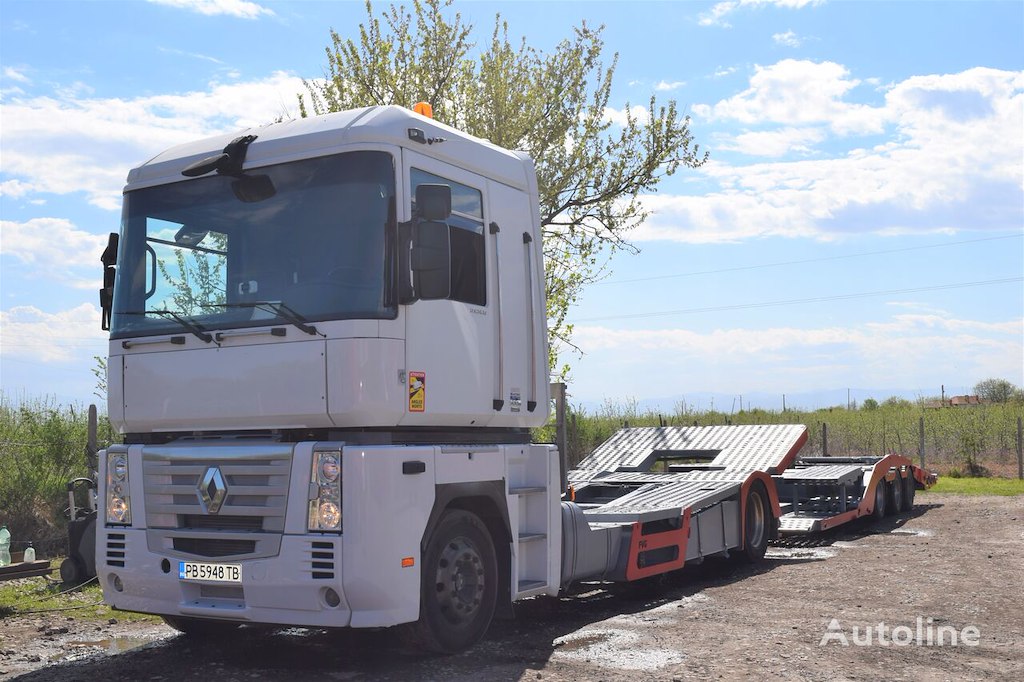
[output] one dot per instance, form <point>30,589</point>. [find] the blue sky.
<point>860,224</point>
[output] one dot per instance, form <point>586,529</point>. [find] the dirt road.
<point>952,568</point>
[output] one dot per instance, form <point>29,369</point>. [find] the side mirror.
<point>430,259</point>
<point>434,202</point>
<point>109,260</point>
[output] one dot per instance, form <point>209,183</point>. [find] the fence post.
<point>1020,448</point>
<point>824,439</point>
<point>920,440</point>
<point>92,444</point>
<point>561,432</point>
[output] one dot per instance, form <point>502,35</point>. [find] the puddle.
<point>581,642</point>
<point>806,553</point>
<point>113,645</point>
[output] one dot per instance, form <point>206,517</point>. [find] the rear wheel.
<point>909,489</point>
<point>459,584</point>
<point>881,500</point>
<point>756,524</point>
<point>199,627</point>
<point>896,491</point>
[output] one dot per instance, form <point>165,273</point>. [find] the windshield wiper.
<point>282,311</point>
<point>194,327</point>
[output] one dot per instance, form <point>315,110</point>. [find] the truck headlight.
<point>118,502</point>
<point>325,492</point>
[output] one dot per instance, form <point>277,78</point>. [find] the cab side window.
<point>466,236</point>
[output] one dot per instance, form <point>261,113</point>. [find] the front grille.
<point>219,522</point>
<point>224,499</point>
<point>322,560</point>
<point>115,549</point>
<point>213,547</point>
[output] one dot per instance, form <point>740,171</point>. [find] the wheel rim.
<point>897,493</point>
<point>880,497</point>
<point>460,581</point>
<point>755,521</point>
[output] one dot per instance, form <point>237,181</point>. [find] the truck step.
<point>527,490</point>
<point>527,585</point>
<point>531,537</point>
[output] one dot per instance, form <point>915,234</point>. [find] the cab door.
<point>450,343</point>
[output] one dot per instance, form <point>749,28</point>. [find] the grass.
<point>41,595</point>
<point>979,486</point>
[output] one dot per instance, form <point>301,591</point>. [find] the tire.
<point>756,524</point>
<point>459,585</point>
<point>909,489</point>
<point>896,490</point>
<point>199,627</point>
<point>71,571</point>
<point>881,500</point>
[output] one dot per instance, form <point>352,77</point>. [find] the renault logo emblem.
<point>212,490</point>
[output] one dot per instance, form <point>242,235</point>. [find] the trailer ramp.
<point>649,499</point>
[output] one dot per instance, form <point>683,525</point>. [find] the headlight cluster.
<point>118,500</point>
<point>325,492</point>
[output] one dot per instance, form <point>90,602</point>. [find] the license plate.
<point>203,572</point>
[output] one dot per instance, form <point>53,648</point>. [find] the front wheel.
<point>459,584</point>
<point>756,524</point>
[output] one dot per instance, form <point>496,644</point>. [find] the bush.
<point>42,447</point>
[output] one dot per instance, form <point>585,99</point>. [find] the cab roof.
<point>332,133</point>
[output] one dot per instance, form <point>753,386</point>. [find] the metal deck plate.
<point>836,474</point>
<point>799,524</point>
<point>666,500</point>
<point>766,447</point>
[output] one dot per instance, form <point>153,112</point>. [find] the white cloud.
<point>67,143</point>
<point>30,333</point>
<point>955,143</point>
<point>242,9</point>
<point>775,142</point>
<point>666,86</point>
<point>15,75</point>
<point>620,117</point>
<point>50,243</point>
<point>724,71</point>
<point>716,16</point>
<point>798,92</point>
<point>787,39</point>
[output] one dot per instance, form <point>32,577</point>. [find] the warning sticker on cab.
<point>417,391</point>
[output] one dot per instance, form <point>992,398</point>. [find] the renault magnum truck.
<point>327,350</point>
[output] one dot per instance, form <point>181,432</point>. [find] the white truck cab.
<point>327,347</point>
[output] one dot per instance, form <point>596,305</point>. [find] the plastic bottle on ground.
<point>5,546</point>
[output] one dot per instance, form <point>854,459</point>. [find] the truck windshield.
<point>200,253</point>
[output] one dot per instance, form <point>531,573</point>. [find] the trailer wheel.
<point>909,489</point>
<point>200,627</point>
<point>459,584</point>
<point>881,500</point>
<point>757,520</point>
<point>896,491</point>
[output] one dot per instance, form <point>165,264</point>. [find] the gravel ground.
<point>955,563</point>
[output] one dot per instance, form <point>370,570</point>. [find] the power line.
<point>795,301</point>
<point>808,260</point>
